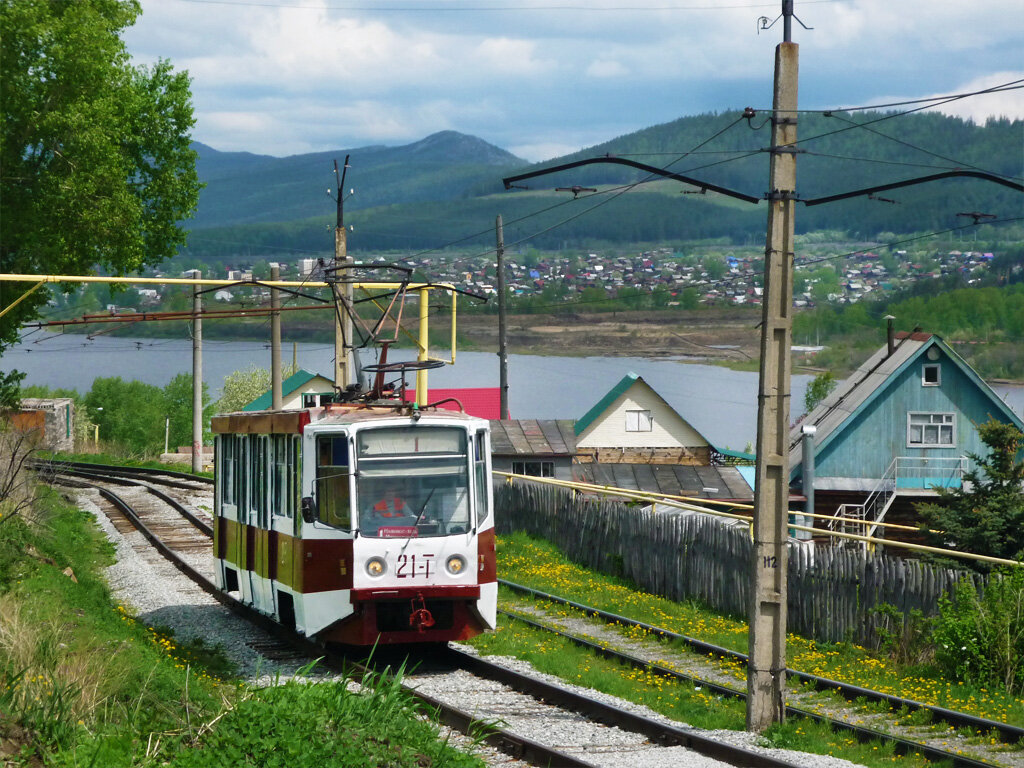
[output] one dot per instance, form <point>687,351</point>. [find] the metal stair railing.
<point>931,472</point>
<point>850,518</point>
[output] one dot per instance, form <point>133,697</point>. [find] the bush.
<point>979,638</point>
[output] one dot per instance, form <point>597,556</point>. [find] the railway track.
<point>586,732</point>
<point>652,733</point>
<point>1008,734</point>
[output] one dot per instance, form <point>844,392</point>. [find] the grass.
<point>83,682</point>
<point>297,723</point>
<point>540,565</point>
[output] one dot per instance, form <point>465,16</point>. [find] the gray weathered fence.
<point>833,594</point>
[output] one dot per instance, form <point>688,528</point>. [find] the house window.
<point>930,430</point>
<point>534,468</point>
<point>639,421</point>
<point>931,375</point>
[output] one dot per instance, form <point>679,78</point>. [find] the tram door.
<point>247,517</point>
<point>259,524</point>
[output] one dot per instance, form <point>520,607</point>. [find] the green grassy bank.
<point>84,683</point>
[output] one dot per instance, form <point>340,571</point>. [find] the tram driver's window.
<point>332,474</point>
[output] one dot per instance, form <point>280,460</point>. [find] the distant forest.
<point>835,157</point>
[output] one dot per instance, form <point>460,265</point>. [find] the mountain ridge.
<point>445,188</point>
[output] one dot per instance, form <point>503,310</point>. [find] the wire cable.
<point>957,163</point>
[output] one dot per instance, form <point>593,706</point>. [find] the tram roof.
<point>295,421</point>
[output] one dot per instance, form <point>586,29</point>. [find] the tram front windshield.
<point>412,481</point>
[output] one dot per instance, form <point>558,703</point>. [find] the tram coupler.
<point>420,619</point>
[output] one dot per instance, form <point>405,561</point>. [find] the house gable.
<point>633,416</point>
<point>867,420</point>
<point>292,389</point>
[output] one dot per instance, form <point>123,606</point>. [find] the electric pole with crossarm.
<point>766,665</point>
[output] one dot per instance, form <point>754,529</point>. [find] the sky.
<point>542,78</point>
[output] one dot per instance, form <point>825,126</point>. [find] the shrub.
<point>979,638</point>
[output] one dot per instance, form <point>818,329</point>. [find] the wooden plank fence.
<point>833,594</point>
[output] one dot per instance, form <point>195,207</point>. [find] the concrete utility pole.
<point>275,339</point>
<point>197,375</point>
<point>766,668</point>
<point>502,328</point>
<point>342,295</point>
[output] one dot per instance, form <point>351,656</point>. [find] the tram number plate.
<point>411,566</point>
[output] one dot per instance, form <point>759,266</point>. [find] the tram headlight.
<point>455,564</point>
<point>375,566</point>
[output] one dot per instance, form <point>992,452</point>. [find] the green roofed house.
<point>633,423</point>
<point>302,389</point>
<point>632,438</point>
<point>902,424</point>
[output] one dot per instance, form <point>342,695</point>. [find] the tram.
<point>358,523</point>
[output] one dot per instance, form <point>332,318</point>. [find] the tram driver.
<point>385,506</point>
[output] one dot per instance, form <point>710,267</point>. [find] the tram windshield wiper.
<point>424,507</point>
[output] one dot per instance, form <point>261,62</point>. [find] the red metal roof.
<point>482,402</point>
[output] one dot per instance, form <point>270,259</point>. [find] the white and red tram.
<point>358,524</point>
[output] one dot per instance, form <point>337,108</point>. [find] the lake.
<point>721,404</point>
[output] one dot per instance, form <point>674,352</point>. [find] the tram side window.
<point>332,475</point>
<point>284,472</point>
<point>294,475</point>
<point>227,467</point>
<point>482,480</point>
<point>258,500</point>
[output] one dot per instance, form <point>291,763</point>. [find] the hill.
<point>244,188</point>
<point>447,187</point>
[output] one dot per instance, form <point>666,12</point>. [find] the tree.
<point>821,386</point>
<point>986,514</point>
<point>178,408</point>
<point>96,157</point>
<point>242,387</point>
<point>128,413</point>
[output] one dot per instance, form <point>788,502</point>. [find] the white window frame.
<point>924,375</point>
<point>639,420</point>
<point>937,424</point>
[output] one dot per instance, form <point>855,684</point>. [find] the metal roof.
<point>532,437</point>
<point>706,482</point>
<point>602,405</point>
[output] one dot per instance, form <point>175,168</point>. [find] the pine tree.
<point>986,515</point>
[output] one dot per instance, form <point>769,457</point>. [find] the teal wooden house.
<point>902,424</point>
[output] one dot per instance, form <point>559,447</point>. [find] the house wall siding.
<point>878,433</point>
<point>668,430</point>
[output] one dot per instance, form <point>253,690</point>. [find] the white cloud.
<point>606,68</point>
<point>537,153</point>
<point>979,108</point>
<point>308,75</point>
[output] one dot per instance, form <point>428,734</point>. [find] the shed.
<point>58,420</point>
<point>542,448</point>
